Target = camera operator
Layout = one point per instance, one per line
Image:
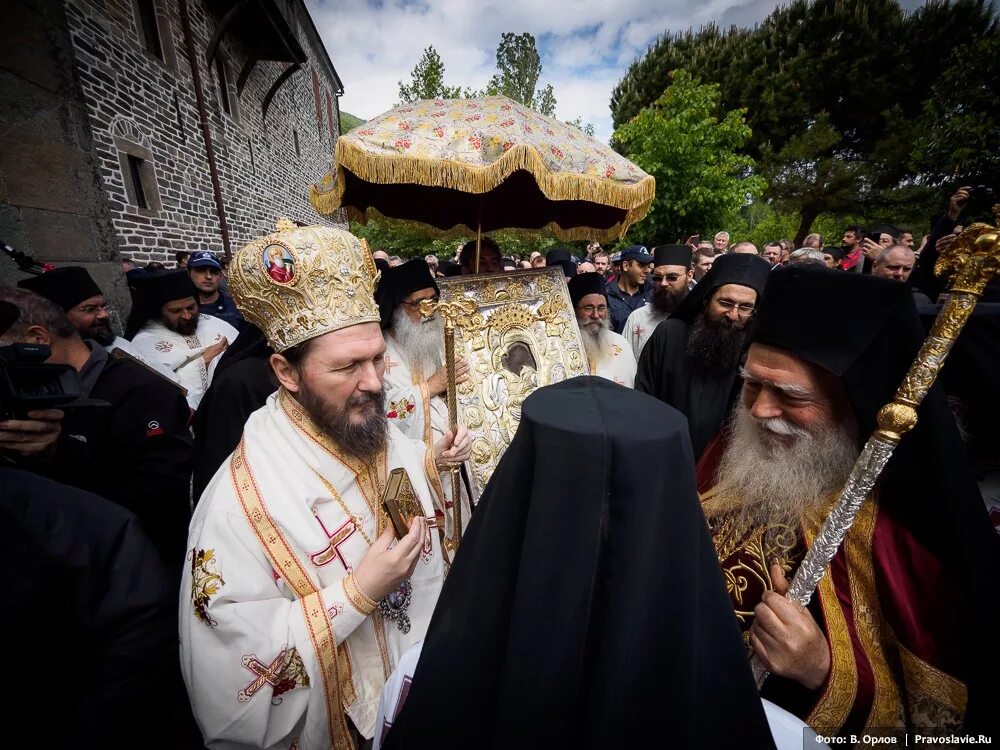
(36, 435)
(944, 232)
(136, 452)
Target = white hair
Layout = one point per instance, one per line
(422, 343)
(776, 483)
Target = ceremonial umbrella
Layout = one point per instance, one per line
(464, 166)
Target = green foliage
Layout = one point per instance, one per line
(700, 176)
(762, 223)
(585, 127)
(959, 128)
(518, 70)
(427, 80)
(348, 122)
(413, 240)
(854, 103)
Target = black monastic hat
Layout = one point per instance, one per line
(153, 291)
(585, 283)
(741, 268)
(672, 255)
(67, 286)
(398, 283)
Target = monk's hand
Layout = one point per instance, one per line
(786, 637)
(437, 384)
(453, 449)
(213, 351)
(34, 436)
(389, 561)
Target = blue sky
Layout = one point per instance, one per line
(586, 45)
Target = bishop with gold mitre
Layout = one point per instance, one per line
(300, 598)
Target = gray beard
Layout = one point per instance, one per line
(596, 339)
(421, 344)
(772, 485)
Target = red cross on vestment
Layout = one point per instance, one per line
(264, 674)
(332, 550)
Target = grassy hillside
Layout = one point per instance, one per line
(348, 121)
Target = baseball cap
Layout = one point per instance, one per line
(203, 259)
(633, 252)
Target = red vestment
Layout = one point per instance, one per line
(887, 609)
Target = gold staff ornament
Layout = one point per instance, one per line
(972, 260)
(459, 312)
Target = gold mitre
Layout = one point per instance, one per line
(302, 282)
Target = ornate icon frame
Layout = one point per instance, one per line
(527, 313)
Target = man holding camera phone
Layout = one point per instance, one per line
(131, 445)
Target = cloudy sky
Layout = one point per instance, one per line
(585, 45)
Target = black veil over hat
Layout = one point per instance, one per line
(866, 331)
(734, 268)
(151, 292)
(399, 282)
(585, 607)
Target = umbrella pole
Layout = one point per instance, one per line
(479, 232)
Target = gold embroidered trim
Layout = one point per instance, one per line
(381, 168)
(886, 709)
(371, 479)
(283, 560)
(378, 623)
(357, 597)
(834, 705)
(927, 683)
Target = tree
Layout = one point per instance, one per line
(959, 128)
(701, 178)
(868, 82)
(427, 80)
(518, 70)
(586, 127)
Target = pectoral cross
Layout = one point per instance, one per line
(332, 550)
(389, 364)
(264, 674)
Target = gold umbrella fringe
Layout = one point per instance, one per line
(394, 169)
(463, 231)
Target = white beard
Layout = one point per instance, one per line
(773, 485)
(422, 344)
(596, 341)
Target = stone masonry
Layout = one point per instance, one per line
(98, 111)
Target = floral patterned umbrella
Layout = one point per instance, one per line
(462, 165)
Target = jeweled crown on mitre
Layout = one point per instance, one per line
(301, 282)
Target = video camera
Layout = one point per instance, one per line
(27, 383)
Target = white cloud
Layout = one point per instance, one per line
(586, 45)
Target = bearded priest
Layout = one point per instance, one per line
(901, 630)
(300, 597)
(416, 380)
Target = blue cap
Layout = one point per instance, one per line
(616, 258)
(632, 252)
(203, 259)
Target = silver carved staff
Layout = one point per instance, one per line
(973, 259)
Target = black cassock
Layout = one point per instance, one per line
(585, 607)
(665, 372)
(242, 382)
(664, 369)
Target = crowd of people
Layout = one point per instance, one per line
(232, 451)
